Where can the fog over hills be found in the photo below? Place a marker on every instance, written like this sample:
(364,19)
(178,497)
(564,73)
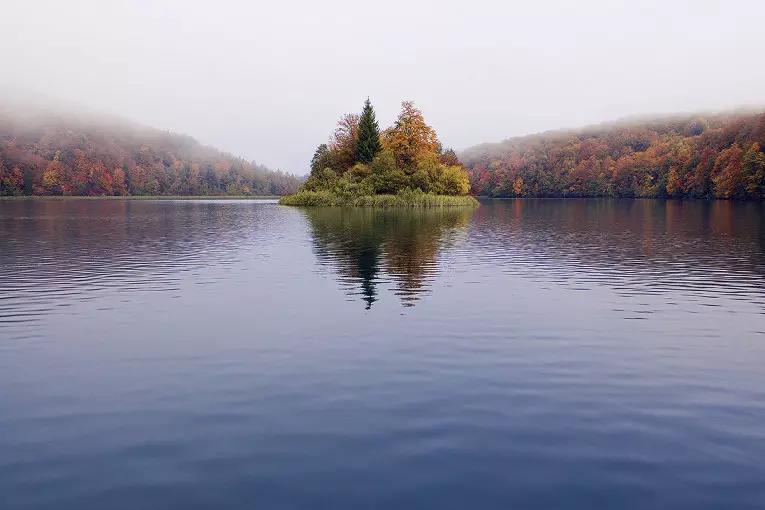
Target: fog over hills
(58,149)
(264,80)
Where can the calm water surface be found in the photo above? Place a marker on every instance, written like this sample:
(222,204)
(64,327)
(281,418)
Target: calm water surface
(528,354)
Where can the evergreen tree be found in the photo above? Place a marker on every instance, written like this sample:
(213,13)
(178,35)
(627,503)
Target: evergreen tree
(368,144)
(320,159)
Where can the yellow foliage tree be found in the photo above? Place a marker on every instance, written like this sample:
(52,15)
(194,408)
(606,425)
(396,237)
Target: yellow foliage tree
(726,173)
(54,171)
(518,186)
(410,139)
(455,180)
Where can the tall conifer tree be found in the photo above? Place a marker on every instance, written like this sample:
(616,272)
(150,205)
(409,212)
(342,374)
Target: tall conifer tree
(368,144)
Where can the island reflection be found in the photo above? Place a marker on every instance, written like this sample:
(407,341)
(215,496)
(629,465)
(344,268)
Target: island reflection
(372,249)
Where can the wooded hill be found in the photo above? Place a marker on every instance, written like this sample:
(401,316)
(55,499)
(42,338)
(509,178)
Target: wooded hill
(690,156)
(62,153)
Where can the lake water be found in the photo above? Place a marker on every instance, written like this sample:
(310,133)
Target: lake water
(239,354)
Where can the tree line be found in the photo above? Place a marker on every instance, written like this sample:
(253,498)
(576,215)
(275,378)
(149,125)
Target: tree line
(698,156)
(54,155)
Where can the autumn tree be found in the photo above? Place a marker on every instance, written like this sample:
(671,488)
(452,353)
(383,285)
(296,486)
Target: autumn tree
(368,144)
(727,175)
(454,181)
(449,158)
(518,186)
(11,180)
(753,172)
(119,185)
(53,176)
(343,142)
(410,139)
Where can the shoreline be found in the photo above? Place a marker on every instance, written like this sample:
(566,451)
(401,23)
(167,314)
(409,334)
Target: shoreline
(141,197)
(401,200)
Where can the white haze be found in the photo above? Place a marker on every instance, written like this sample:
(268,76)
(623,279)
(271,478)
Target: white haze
(268,80)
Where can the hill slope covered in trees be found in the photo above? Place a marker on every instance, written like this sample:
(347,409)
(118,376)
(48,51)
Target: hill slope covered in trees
(63,153)
(692,156)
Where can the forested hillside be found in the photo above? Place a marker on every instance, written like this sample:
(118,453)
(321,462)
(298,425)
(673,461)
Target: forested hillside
(699,156)
(46,153)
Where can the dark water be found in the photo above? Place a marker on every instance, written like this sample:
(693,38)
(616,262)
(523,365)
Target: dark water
(529,354)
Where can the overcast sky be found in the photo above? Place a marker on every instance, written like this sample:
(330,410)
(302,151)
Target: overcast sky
(267,80)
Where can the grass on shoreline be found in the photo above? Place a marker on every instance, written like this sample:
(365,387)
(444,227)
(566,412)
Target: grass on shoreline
(143,197)
(403,199)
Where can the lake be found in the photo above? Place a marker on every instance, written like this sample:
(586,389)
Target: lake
(239,354)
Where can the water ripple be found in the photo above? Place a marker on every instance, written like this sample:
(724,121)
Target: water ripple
(528,354)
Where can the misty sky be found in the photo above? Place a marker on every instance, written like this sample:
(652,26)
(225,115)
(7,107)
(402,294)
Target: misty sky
(268,80)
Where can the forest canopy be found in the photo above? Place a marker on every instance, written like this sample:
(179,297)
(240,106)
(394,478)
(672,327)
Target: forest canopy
(694,156)
(49,153)
(405,160)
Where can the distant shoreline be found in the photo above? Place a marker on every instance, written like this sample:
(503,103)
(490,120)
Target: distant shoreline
(143,197)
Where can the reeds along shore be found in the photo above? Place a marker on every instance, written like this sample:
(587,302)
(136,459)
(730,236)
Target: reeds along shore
(402,199)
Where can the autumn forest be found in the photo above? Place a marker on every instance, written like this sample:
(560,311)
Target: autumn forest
(693,156)
(703,157)
(49,154)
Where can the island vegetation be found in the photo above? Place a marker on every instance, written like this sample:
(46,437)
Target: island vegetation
(402,166)
(692,156)
(44,153)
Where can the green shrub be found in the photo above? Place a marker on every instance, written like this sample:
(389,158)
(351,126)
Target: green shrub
(321,180)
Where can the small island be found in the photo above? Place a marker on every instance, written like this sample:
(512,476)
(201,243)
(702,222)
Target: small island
(404,166)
